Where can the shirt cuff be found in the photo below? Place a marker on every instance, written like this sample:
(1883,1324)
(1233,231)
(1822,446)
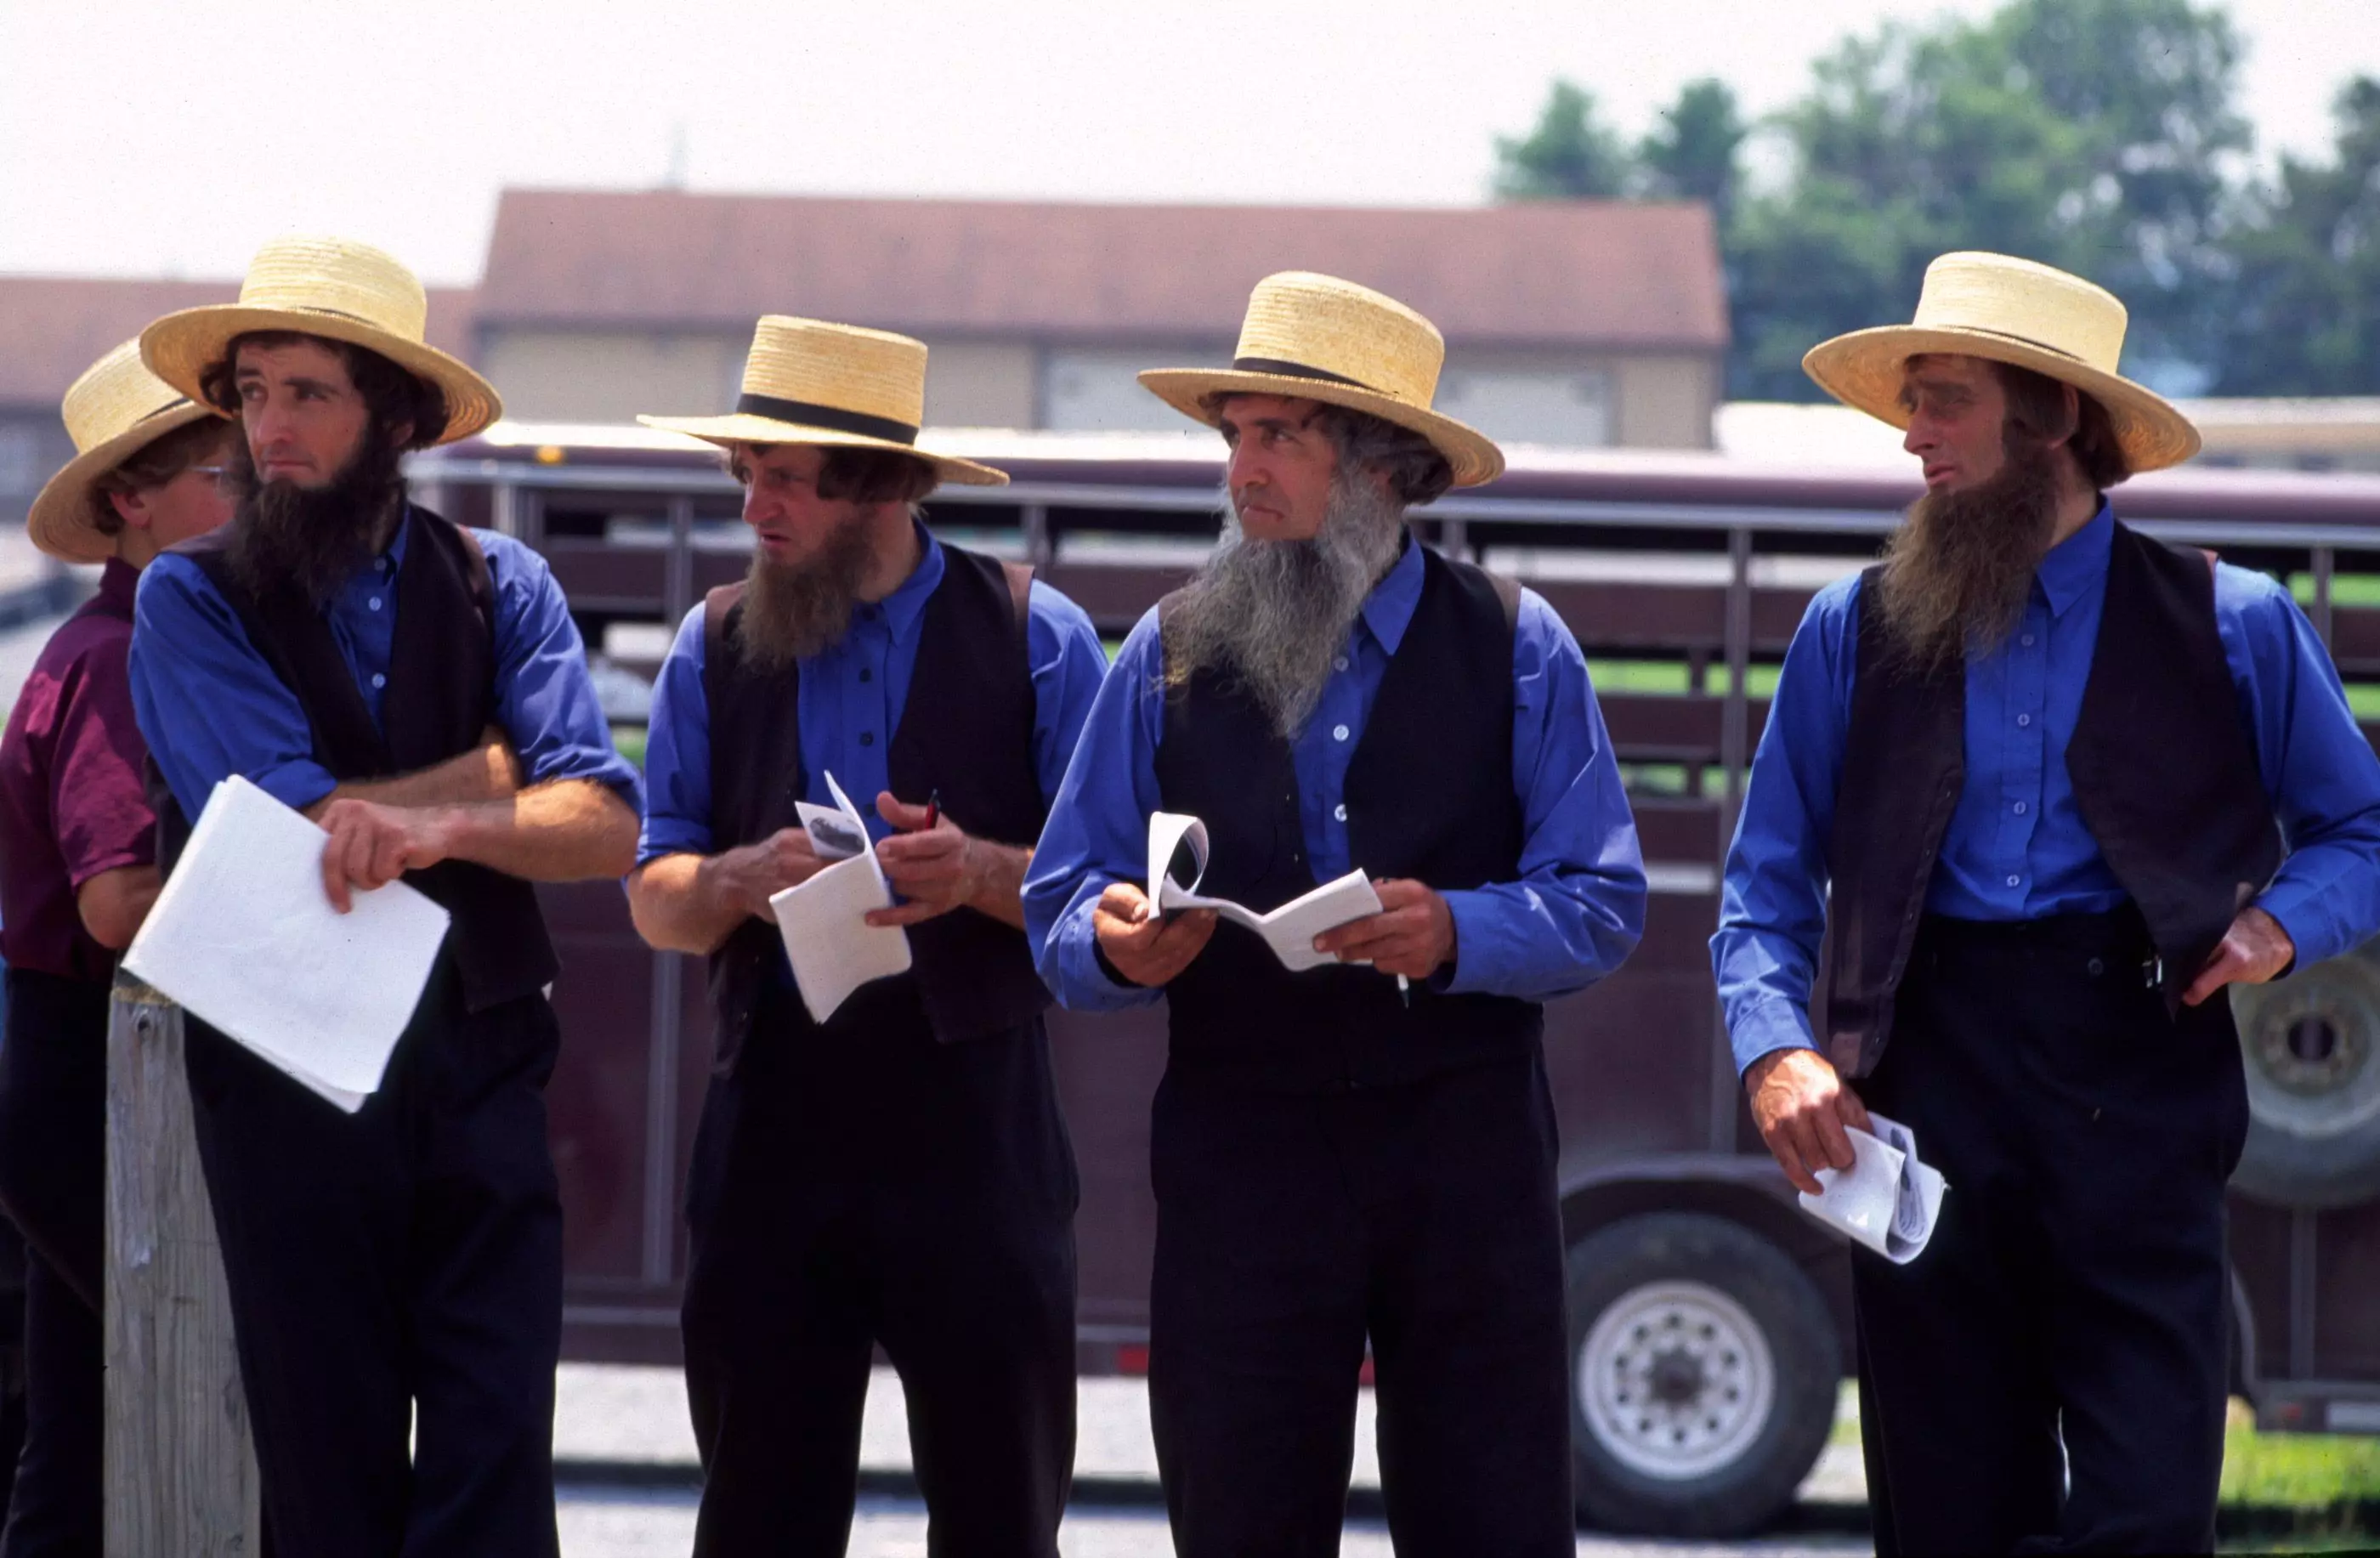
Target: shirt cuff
(295,784)
(1766,1027)
(1088,981)
(664,836)
(2299,913)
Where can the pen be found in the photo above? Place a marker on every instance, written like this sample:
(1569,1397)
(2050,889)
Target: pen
(1405,992)
(933,809)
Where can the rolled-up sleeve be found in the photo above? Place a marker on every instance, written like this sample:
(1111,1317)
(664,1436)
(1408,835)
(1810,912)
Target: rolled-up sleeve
(1097,830)
(677,753)
(1577,908)
(98,804)
(209,705)
(545,700)
(1772,912)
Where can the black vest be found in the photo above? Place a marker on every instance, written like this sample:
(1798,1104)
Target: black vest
(439,700)
(2163,766)
(966,730)
(1429,796)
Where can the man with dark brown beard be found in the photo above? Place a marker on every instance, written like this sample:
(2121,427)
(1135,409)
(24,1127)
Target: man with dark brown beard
(2065,783)
(1360,1154)
(898,1175)
(419,689)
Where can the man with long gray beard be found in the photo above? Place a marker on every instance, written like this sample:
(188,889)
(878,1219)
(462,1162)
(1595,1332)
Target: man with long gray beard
(898,1175)
(419,690)
(1365,1151)
(2065,783)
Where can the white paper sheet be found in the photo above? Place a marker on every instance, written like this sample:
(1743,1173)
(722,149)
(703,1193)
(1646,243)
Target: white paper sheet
(1886,1199)
(1289,929)
(828,940)
(245,938)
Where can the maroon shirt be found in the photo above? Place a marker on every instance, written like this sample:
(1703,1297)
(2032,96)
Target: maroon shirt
(71,802)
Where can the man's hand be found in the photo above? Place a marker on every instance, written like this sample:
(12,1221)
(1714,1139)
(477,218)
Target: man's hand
(936,865)
(1802,1107)
(2255,951)
(745,879)
(371,845)
(1145,947)
(1412,934)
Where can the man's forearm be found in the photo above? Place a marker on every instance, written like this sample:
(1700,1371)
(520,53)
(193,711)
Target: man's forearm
(569,829)
(486,772)
(1003,892)
(678,905)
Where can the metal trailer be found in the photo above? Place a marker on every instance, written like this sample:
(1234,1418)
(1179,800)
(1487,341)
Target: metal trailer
(1710,1319)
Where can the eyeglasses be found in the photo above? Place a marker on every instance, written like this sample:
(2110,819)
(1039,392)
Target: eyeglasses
(209,469)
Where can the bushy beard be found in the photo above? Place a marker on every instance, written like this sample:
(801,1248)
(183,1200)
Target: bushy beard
(310,538)
(1272,617)
(793,611)
(1958,571)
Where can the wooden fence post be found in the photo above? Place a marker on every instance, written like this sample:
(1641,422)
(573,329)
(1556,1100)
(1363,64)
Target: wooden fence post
(181,1471)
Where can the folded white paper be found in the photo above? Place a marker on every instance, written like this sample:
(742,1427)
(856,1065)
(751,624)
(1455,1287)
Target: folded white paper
(1886,1199)
(1288,929)
(828,940)
(245,938)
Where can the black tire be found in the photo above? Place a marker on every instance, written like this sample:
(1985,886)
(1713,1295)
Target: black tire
(2311,1045)
(1680,1289)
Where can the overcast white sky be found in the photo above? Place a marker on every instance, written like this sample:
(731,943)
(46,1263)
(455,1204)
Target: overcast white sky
(141,138)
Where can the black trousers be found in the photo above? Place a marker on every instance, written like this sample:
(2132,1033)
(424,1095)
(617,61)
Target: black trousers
(1292,1227)
(53,1184)
(2075,1292)
(396,1269)
(863,1185)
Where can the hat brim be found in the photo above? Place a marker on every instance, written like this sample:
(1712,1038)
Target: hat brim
(181,346)
(64,521)
(1470,455)
(1864,370)
(742,427)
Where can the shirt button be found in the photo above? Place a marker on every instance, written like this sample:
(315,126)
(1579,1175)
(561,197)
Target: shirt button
(2014,879)
(868,738)
(379,680)
(1339,811)
(866,675)
(374,602)
(2026,640)
(1340,663)
(2020,809)
(1338,733)
(2023,721)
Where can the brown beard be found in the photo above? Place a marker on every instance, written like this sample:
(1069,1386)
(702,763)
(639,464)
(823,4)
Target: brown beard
(1959,570)
(310,539)
(793,611)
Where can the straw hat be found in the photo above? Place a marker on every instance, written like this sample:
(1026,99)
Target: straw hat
(335,290)
(1317,337)
(837,385)
(2011,310)
(114,411)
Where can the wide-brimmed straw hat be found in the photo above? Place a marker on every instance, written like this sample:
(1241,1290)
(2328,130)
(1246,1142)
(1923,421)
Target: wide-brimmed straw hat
(838,385)
(2011,311)
(335,290)
(1317,337)
(114,411)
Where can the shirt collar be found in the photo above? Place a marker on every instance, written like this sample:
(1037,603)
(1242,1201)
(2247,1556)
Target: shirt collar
(1390,607)
(907,603)
(2079,562)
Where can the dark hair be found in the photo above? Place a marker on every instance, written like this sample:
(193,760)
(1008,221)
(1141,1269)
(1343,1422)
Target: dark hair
(396,398)
(1416,472)
(853,474)
(2036,409)
(155,463)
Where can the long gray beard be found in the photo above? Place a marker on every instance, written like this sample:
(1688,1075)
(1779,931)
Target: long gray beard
(1272,617)
(793,611)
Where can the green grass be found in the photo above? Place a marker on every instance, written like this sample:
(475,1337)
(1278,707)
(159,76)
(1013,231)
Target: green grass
(630,741)
(2346,589)
(2299,1470)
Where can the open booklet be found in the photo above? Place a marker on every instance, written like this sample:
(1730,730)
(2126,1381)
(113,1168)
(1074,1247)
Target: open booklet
(1288,929)
(1886,1199)
(824,920)
(245,940)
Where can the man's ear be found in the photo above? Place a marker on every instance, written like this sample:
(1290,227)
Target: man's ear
(132,508)
(2073,398)
(400,436)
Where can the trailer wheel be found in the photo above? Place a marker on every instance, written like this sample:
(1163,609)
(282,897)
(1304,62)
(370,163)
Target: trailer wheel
(2311,1044)
(1704,1369)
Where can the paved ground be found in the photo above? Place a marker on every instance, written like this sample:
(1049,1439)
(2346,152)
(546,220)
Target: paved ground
(632,1423)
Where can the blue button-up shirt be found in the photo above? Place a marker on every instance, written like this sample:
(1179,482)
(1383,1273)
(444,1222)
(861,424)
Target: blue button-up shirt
(1572,914)
(850,704)
(2017,846)
(211,706)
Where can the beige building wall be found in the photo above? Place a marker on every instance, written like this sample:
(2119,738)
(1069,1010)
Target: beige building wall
(1666,402)
(980,383)
(608,376)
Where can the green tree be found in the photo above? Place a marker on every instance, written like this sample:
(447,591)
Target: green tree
(1569,155)
(2089,134)
(2304,312)
(1692,154)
